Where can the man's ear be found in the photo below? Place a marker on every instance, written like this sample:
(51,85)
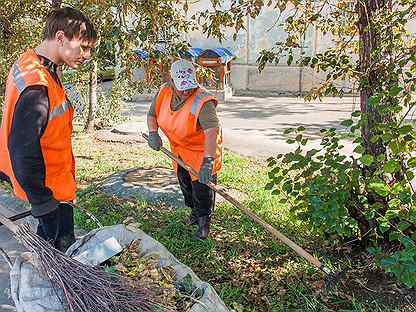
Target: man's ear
(59,37)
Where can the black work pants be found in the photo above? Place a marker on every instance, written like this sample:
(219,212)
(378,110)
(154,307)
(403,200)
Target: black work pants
(57,227)
(198,196)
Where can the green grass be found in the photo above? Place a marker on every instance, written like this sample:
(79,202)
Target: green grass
(250,271)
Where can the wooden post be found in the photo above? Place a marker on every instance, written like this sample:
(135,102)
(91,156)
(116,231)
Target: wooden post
(92,105)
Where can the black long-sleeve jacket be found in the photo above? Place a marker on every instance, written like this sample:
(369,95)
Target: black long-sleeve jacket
(29,123)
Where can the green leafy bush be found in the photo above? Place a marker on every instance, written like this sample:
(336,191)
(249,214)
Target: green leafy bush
(367,197)
(356,197)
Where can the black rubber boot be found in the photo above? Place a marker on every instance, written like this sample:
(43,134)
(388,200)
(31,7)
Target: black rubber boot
(192,220)
(64,242)
(57,227)
(203,227)
(66,235)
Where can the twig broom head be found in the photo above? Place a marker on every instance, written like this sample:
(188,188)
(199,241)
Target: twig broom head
(84,288)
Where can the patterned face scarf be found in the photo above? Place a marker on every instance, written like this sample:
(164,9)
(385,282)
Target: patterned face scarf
(184,75)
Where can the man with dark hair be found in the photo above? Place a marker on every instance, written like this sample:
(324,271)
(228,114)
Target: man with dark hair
(35,135)
(73,22)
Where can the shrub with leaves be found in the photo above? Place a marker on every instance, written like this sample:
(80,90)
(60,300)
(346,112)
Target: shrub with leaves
(367,197)
(340,198)
(20,28)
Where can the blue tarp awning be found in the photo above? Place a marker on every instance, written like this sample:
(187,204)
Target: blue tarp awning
(142,54)
(224,54)
(192,53)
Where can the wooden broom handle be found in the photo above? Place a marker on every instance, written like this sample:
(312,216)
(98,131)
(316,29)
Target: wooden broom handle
(299,250)
(7,222)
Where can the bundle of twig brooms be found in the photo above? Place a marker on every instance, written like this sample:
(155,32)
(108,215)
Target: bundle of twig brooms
(83,287)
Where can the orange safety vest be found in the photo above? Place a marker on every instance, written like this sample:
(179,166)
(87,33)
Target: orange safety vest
(186,137)
(55,142)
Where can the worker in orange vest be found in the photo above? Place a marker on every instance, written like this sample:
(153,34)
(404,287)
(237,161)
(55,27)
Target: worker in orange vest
(186,114)
(35,136)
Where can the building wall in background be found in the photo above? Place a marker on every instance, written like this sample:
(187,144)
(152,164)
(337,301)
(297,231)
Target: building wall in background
(261,34)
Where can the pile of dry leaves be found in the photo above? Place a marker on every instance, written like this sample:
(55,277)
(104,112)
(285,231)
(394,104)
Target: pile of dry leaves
(161,281)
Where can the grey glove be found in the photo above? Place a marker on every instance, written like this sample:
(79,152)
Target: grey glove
(155,141)
(205,172)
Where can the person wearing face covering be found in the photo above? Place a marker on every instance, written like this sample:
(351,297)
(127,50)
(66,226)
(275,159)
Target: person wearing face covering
(186,114)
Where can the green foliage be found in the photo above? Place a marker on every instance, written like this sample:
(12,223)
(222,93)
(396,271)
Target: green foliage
(20,28)
(320,184)
(368,196)
(155,26)
(109,103)
(339,195)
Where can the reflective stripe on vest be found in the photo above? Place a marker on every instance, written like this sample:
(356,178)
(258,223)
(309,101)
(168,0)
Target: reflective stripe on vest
(17,77)
(60,110)
(55,143)
(197,101)
(187,140)
(21,85)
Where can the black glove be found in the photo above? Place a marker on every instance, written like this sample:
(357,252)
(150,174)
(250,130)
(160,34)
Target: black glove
(57,227)
(39,210)
(205,172)
(154,140)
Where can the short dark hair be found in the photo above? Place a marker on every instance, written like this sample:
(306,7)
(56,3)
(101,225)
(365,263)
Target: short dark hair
(69,21)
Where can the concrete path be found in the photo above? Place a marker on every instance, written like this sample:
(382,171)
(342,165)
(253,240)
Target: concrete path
(254,126)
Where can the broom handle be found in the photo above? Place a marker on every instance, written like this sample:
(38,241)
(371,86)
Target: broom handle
(299,250)
(29,213)
(7,222)
(19,216)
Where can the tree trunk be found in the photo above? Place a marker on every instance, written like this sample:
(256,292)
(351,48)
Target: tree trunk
(89,126)
(6,27)
(56,4)
(369,41)
(118,61)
